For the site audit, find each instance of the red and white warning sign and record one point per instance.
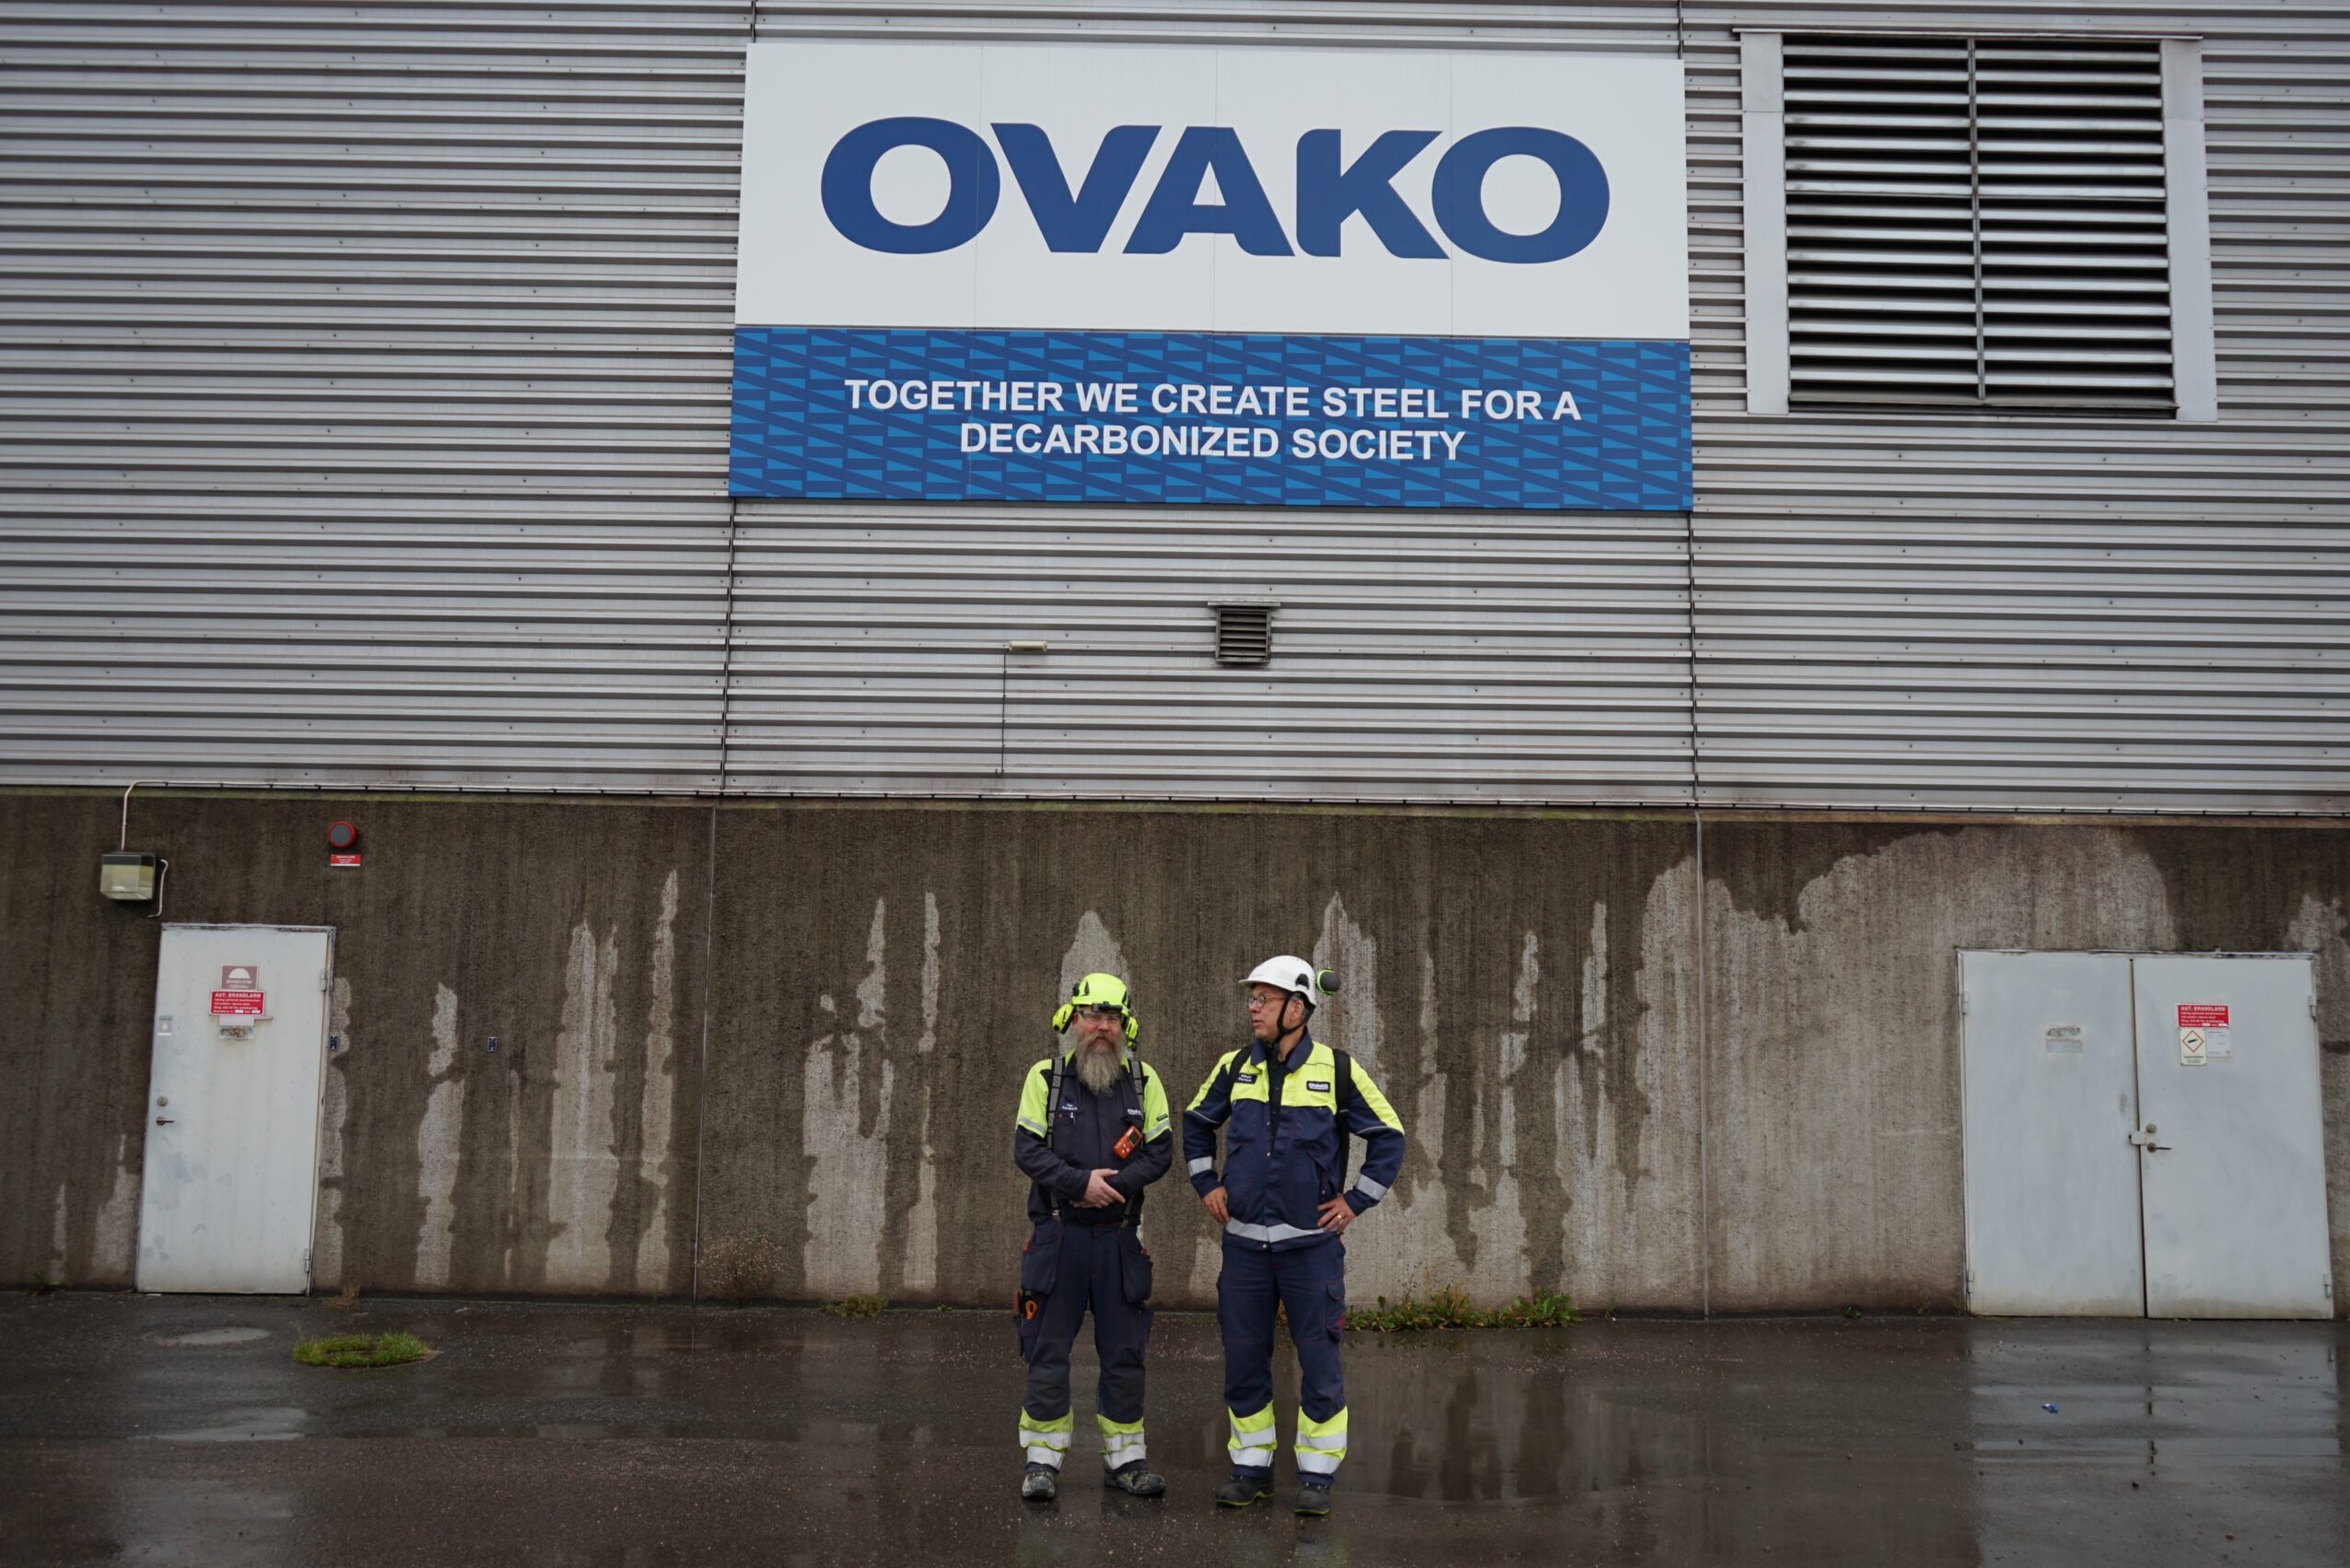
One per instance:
(2203, 1032)
(237, 1004)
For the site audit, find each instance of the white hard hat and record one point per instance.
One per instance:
(1295, 976)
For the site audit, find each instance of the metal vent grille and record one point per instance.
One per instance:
(1243, 634)
(1977, 221)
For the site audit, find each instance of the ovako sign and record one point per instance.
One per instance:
(1231, 276)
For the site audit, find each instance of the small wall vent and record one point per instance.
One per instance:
(1243, 634)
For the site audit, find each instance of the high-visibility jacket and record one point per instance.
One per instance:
(1285, 1156)
(1059, 1146)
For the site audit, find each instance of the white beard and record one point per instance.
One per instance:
(1098, 1067)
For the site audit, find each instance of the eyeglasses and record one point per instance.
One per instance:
(1109, 1015)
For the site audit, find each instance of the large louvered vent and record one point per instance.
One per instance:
(1977, 221)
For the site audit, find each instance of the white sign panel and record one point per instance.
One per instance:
(1091, 181)
(1250, 275)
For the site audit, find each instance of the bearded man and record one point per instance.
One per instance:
(1092, 1131)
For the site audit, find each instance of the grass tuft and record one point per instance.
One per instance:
(1449, 1308)
(857, 1306)
(359, 1350)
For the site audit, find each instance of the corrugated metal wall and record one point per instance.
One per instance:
(365, 388)
(2008, 609)
(364, 399)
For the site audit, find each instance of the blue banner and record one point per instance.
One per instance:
(1217, 419)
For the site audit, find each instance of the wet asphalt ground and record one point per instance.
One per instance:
(180, 1430)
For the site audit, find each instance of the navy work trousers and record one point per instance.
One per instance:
(1310, 1282)
(1075, 1268)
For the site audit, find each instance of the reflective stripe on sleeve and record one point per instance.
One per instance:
(1204, 1164)
(1372, 1189)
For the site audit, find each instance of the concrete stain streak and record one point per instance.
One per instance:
(1416, 1251)
(1500, 1224)
(848, 1087)
(659, 1107)
(918, 1258)
(326, 1269)
(57, 1231)
(114, 1237)
(1349, 1019)
(437, 1145)
(582, 1174)
(1092, 951)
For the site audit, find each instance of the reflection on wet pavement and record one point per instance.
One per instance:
(180, 1428)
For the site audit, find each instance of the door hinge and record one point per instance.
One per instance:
(322, 981)
(305, 1263)
(1962, 1001)
(1971, 1281)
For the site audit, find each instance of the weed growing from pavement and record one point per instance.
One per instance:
(359, 1350)
(1449, 1308)
(857, 1306)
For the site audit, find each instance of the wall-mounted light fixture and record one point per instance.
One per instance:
(127, 876)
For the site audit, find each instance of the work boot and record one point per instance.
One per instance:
(1313, 1499)
(1240, 1491)
(1038, 1484)
(1134, 1481)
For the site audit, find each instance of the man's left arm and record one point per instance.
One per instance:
(1157, 1154)
(1371, 1119)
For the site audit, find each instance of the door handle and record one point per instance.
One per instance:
(163, 1121)
(2146, 1140)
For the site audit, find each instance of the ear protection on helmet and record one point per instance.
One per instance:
(1068, 1010)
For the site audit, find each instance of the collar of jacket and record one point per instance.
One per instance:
(1260, 1053)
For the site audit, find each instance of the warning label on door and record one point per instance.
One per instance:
(235, 1004)
(2208, 1022)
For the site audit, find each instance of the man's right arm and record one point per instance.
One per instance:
(1029, 1152)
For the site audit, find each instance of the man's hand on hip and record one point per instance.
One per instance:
(1219, 1208)
(1336, 1215)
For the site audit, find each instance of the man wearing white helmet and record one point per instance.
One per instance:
(1287, 1102)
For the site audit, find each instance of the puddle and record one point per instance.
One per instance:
(264, 1424)
(215, 1337)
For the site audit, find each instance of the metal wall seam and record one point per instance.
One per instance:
(364, 392)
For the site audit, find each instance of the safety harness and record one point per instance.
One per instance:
(1129, 1083)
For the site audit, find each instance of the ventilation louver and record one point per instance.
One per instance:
(1243, 634)
(1978, 222)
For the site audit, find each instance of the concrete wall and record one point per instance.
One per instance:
(1526, 986)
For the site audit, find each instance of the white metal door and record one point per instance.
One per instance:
(2233, 1147)
(232, 1111)
(2052, 1182)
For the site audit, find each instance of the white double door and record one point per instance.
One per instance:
(229, 1190)
(2143, 1136)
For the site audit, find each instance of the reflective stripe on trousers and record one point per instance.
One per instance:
(1321, 1444)
(1253, 1439)
(1045, 1440)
